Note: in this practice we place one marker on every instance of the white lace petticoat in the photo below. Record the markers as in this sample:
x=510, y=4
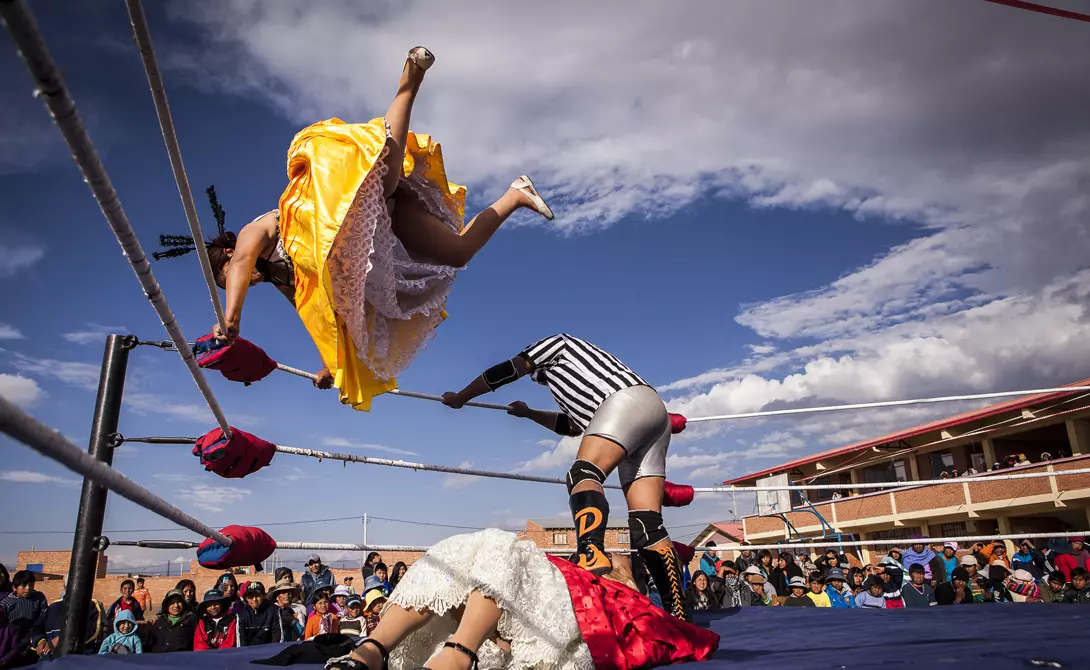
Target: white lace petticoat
x=537, y=619
x=390, y=302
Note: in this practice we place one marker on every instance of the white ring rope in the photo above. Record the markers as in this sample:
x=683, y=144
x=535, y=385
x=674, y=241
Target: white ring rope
x=28, y=39
x=142, y=35
x=23, y=427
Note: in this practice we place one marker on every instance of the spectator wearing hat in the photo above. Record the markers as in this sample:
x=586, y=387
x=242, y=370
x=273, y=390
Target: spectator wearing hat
x=1077, y=557
x=370, y=584
x=174, y=628
x=971, y=566
x=993, y=581
x=949, y=559
x=837, y=591
x=999, y=556
x=1022, y=584
x=347, y=582
x=759, y=591
x=353, y=622
x=316, y=576
x=323, y=620
x=217, y=626
x=259, y=623
x=796, y=594
x=1078, y=591
x=918, y=593
x=957, y=590
x=291, y=617
x=339, y=599
x=873, y=595
x=372, y=609
x=817, y=590
x=1052, y=588
x=893, y=576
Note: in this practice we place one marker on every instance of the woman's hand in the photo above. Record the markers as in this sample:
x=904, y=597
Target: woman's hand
x=519, y=409
x=453, y=400
x=231, y=333
x=324, y=379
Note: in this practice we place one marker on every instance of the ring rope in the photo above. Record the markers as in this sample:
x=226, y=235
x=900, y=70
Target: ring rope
x=28, y=40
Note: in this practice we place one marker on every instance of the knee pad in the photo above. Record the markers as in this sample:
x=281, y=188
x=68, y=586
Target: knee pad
x=646, y=528
x=581, y=471
x=499, y=375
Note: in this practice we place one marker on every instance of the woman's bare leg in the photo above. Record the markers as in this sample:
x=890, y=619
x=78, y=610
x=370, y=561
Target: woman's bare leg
x=425, y=235
x=398, y=117
x=394, y=626
x=477, y=625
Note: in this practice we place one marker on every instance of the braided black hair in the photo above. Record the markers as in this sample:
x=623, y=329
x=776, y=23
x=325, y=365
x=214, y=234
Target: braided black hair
x=180, y=245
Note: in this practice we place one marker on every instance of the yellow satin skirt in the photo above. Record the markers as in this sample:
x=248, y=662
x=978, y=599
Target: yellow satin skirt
x=369, y=305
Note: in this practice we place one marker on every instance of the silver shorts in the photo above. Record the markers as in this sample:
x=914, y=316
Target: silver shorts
x=636, y=419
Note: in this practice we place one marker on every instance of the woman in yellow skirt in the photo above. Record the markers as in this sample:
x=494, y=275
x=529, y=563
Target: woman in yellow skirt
x=366, y=242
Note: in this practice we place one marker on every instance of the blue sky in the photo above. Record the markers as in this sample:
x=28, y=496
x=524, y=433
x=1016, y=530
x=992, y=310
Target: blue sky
x=750, y=213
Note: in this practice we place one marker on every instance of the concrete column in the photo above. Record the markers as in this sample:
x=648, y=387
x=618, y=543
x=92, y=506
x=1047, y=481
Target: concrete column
x=1078, y=435
x=989, y=454
x=925, y=529
x=854, y=473
x=864, y=551
x=913, y=467
x=1004, y=525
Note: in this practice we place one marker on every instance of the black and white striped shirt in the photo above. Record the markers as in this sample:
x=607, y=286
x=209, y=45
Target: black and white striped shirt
x=579, y=375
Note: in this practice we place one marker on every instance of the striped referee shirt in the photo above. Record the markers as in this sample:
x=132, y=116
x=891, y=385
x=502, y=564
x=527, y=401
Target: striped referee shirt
x=579, y=375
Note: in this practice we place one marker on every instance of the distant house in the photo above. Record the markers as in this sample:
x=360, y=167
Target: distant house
x=560, y=533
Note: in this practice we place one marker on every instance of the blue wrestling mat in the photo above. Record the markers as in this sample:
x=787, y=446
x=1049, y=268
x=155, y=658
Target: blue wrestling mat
x=992, y=636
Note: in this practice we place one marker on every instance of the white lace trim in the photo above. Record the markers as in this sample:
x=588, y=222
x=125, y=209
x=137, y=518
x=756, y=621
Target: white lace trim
x=537, y=619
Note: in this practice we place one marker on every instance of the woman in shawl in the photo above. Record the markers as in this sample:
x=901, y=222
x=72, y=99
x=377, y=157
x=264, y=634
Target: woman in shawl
x=919, y=553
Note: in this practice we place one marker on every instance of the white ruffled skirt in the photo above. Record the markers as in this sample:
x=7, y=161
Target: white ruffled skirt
x=537, y=619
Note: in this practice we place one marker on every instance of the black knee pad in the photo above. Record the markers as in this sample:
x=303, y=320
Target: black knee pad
x=646, y=528
x=581, y=471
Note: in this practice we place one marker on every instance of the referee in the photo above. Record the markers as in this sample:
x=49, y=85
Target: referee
x=625, y=427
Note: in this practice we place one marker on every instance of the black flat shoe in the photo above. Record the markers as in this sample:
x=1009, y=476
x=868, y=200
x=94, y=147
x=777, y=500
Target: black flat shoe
x=349, y=663
x=465, y=650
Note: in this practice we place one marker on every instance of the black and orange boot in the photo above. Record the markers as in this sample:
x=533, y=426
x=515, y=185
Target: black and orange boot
x=590, y=510
x=664, y=566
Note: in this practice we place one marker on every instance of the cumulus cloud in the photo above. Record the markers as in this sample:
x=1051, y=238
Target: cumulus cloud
x=17, y=257
x=28, y=477
x=459, y=481
x=73, y=373
x=212, y=498
x=345, y=443
x=92, y=333
x=560, y=455
x=23, y=391
x=8, y=332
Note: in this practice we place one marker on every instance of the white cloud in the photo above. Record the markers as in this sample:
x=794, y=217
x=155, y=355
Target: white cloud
x=296, y=475
x=172, y=477
x=28, y=477
x=212, y=498
x=460, y=481
x=8, y=332
x=80, y=375
x=561, y=455
x=17, y=257
x=20, y=390
x=93, y=333
x=344, y=443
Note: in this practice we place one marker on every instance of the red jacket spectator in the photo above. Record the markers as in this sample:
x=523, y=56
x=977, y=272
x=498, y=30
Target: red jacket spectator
x=1078, y=557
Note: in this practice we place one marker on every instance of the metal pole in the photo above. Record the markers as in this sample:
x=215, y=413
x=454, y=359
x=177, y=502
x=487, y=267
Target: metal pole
x=365, y=529
x=92, y=505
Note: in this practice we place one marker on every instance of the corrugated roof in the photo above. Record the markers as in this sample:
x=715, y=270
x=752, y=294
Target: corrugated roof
x=949, y=422
x=568, y=524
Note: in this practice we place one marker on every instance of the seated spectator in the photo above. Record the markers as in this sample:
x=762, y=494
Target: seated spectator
x=956, y=591
x=1052, y=588
x=796, y=596
x=380, y=571
x=353, y=622
x=322, y=621
x=699, y=595
x=837, y=591
x=397, y=573
x=217, y=626
x=892, y=576
x=54, y=622
x=917, y=593
x=745, y=558
x=5, y=582
x=1029, y=558
x=969, y=563
x=1076, y=557
x=323, y=592
x=283, y=574
x=339, y=599
x=993, y=582
x=873, y=595
x=896, y=554
x=765, y=563
x=922, y=554
x=126, y=603
x=142, y=595
x=175, y=626
x=22, y=622
x=856, y=576
x=999, y=556
x=759, y=592
x=1022, y=583
x=949, y=559
x=124, y=639
x=709, y=562
x=259, y=623
x=372, y=610
x=732, y=585
x=189, y=590
x=372, y=583
x=817, y=590
x=1077, y=592
x=228, y=586
x=291, y=618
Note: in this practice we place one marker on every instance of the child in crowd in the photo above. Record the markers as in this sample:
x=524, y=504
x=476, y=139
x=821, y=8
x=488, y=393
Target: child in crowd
x=397, y=573
x=382, y=573
x=325, y=592
x=228, y=586
x=24, y=610
x=126, y=603
x=217, y=627
x=372, y=609
x=340, y=600
x=1052, y=589
x=347, y=581
x=817, y=590
x=837, y=591
x=796, y=588
x=758, y=592
x=124, y=639
x=291, y=618
x=143, y=595
x=1078, y=592
x=918, y=593
x=993, y=581
x=892, y=576
x=873, y=595
x=322, y=621
x=353, y=622
x=259, y=623
x=174, y=629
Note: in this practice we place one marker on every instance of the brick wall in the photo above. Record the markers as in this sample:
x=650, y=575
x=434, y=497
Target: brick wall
x=54, y=562
x=543, y=537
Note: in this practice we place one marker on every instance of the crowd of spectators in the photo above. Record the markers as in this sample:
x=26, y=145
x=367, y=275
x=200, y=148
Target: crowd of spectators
x=924, y=575
x=228, y=615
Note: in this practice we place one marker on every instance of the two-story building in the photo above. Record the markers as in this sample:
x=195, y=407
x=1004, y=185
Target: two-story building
x=1045, y=433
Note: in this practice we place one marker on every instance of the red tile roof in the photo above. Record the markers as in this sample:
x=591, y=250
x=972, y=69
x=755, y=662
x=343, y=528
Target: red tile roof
x=941, y=424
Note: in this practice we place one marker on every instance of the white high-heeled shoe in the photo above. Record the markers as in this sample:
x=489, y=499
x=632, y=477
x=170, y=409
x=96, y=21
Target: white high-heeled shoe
x=526, y=185
x=421, y=57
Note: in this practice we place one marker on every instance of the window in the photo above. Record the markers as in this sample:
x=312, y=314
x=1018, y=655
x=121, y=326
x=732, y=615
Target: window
x=560, y=539
x=623, y=539
x=941, y=461
x=894, y=534
x=899, y=471
x=979, y=464
x=954, y=529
